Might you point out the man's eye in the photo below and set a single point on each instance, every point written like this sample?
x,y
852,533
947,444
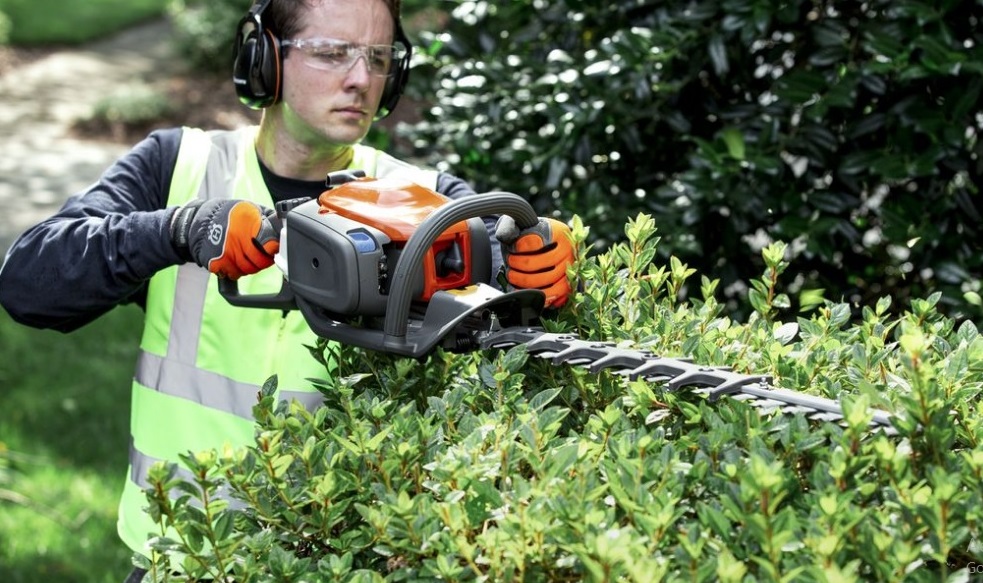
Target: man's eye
x,y
380,58
332,55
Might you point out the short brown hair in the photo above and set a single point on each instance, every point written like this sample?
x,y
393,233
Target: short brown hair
x,y
284,15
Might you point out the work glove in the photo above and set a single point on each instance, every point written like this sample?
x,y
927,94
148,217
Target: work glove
x,y
537,257
228,237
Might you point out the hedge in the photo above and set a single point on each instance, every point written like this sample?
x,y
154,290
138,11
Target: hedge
x,y
498,466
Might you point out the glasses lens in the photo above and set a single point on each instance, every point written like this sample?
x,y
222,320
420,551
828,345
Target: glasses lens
x,y
379,58
335,55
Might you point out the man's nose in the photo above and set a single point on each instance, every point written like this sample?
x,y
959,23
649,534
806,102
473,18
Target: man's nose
x,y
358,73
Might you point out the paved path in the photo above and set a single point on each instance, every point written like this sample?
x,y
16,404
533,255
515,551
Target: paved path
x,y
40,165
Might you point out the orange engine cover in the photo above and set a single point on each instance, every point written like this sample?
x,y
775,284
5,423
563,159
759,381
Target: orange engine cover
x,y
397,208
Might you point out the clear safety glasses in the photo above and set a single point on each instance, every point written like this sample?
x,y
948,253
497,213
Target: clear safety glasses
x,y
331,54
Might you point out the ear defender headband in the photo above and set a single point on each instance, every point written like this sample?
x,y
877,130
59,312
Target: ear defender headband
x,y
257,70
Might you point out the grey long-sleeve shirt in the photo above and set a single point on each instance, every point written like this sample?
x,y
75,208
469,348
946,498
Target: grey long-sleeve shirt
x,y
104,244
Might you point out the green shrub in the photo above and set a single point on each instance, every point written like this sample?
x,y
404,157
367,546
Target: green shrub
x,y
127,111
502,467
46,22
7,475
849,130
205,32
131,105
4,28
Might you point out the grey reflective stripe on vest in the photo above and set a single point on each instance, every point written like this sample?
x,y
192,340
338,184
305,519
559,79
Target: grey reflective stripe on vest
x,y
141,464
224,394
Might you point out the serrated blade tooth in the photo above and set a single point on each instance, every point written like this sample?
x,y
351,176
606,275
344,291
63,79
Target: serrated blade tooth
x,y
581,352
661,368
707,376
795,409
510,337
550,342
826,416
621,358
766,403
736,382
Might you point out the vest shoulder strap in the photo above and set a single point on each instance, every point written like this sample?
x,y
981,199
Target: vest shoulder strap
x,y
189,169
206,164
379,164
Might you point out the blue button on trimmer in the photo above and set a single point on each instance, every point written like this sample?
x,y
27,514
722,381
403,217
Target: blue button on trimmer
x,y
364,242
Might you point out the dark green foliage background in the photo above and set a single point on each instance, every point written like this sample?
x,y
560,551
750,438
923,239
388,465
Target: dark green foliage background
x,y
205,32
849,130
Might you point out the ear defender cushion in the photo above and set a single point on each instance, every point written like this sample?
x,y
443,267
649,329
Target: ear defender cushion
x,y
396,83
257,69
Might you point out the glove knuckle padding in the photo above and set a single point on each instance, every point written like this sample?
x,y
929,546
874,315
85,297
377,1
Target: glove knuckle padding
x,y
232,237
506,231
538,259
242,250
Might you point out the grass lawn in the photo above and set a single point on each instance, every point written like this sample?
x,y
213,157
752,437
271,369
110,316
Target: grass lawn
x,y
39,22
65,422
64,418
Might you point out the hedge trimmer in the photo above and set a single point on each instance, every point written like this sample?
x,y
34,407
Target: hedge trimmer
x,y
391,266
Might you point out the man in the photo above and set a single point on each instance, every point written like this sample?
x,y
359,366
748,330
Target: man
x,y
184,203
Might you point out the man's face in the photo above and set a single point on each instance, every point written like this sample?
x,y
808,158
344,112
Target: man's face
x,y
335,107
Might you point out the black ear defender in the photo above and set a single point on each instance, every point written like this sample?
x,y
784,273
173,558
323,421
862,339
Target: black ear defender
x,y
398,77
257,66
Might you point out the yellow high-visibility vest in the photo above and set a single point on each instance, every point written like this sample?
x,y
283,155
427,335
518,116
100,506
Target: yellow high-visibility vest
x,y
202,361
